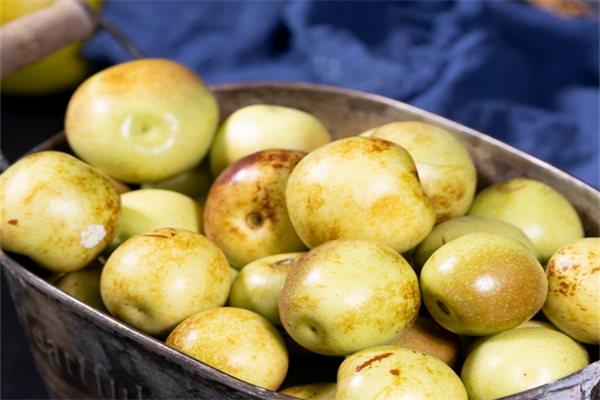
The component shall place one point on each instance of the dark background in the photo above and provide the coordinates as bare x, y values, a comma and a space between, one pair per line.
520, 74
25, 123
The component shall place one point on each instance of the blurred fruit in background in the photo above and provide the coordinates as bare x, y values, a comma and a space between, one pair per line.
61, 71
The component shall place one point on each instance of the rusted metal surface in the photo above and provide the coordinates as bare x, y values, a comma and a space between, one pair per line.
84, 354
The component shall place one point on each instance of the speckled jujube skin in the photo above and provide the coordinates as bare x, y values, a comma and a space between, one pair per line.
156, 279
143, 120
236, 341
312, 391
359, 188
57, 210
460, 226
195, 182
346, 295
393, 372
445, 167
257, 286
84, 285
425, 334
483, 283
246, 213
539, 210
147, 209
520, 359
260, 127
573, 302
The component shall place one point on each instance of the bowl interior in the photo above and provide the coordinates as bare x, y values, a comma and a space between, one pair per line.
345, 113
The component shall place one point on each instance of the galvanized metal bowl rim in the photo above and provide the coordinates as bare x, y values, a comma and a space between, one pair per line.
90, 313
315, 87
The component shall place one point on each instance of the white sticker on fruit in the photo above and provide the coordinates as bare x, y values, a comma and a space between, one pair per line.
93, 235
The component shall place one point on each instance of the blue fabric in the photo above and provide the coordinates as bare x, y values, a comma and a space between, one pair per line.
522, 75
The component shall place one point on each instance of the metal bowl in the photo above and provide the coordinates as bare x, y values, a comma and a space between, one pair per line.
83, 353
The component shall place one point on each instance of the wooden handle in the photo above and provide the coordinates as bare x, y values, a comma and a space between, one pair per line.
37, 35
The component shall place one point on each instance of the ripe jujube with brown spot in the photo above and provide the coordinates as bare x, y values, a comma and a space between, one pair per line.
246, 213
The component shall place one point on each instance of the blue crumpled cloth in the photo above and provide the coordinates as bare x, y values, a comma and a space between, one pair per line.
522, 75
